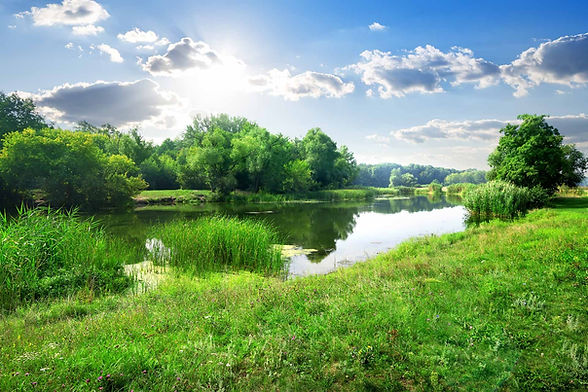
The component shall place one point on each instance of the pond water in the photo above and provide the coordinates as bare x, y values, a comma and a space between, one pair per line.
333, 234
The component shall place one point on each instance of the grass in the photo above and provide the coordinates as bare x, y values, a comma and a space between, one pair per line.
48, 253
218, 243
498, 199
501, 307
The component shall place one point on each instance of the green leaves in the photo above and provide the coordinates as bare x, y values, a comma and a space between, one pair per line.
532, 155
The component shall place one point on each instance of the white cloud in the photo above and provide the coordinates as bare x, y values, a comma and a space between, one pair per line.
118, 103
573, 127
114, 54
441, 129
69, 12
69, 45
12, 27
145, 47
183, 56
87, 30
379, 138
423, 70
377, 27
562, 61
137, 35
306, 84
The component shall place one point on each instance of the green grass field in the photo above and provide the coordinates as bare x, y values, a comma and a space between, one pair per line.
499, 307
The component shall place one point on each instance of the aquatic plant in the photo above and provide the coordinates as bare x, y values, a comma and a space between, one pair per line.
52, 253
218, 243
498, 199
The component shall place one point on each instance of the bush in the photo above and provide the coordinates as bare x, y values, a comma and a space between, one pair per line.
46, 253
499, 199
216, 244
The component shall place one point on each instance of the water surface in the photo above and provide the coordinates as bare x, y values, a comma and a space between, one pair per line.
340, 234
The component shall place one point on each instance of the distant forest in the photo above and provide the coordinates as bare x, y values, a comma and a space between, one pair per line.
391, 174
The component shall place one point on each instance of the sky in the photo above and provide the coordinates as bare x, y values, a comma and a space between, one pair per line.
428, 82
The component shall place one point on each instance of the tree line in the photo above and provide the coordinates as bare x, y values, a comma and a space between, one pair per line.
385, 175
99, 166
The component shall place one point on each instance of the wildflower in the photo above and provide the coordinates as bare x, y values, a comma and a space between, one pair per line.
436, 316
100, 378
144, 371
87, 380
108, 376
34, 383
27, 374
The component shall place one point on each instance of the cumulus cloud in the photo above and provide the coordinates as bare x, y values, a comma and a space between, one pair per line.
562, 61
87, 30
377, 27
423, 70
306, 84
117, 103
573, 127
138, 36
69, 12
182, 56
441, 129
114, 54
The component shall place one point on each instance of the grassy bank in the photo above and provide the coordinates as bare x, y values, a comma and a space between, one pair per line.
498, 307
179, 196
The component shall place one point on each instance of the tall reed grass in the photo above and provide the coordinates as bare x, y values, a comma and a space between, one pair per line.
217, 243
49, 253
498, 199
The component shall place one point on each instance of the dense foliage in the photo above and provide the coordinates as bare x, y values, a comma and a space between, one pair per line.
65, 168
532, 154
17, 114
391, 174
45, 253
471, 176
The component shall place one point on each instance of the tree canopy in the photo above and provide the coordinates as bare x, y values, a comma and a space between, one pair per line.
532, 154
17, 114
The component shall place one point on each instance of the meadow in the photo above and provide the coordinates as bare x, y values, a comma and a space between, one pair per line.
500, 306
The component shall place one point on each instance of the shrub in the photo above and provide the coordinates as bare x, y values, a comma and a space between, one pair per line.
498, 199
47, 253
218, 243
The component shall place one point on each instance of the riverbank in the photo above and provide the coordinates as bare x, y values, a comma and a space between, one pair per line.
186, 196
500, 306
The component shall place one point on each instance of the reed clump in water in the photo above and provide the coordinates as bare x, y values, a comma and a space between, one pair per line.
48, 253
218, 243
498, 199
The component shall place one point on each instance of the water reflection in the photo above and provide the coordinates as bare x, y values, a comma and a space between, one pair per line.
342, 233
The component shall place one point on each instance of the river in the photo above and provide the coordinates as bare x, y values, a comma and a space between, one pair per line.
323, 235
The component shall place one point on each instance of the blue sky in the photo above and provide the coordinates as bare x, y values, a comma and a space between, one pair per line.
410, 81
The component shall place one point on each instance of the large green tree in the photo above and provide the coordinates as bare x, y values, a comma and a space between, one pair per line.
67, 168
532, 154
17, 114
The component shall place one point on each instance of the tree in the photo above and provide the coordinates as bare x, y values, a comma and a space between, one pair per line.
320, 151
531, 155
67, 169
297, 176
17, 114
